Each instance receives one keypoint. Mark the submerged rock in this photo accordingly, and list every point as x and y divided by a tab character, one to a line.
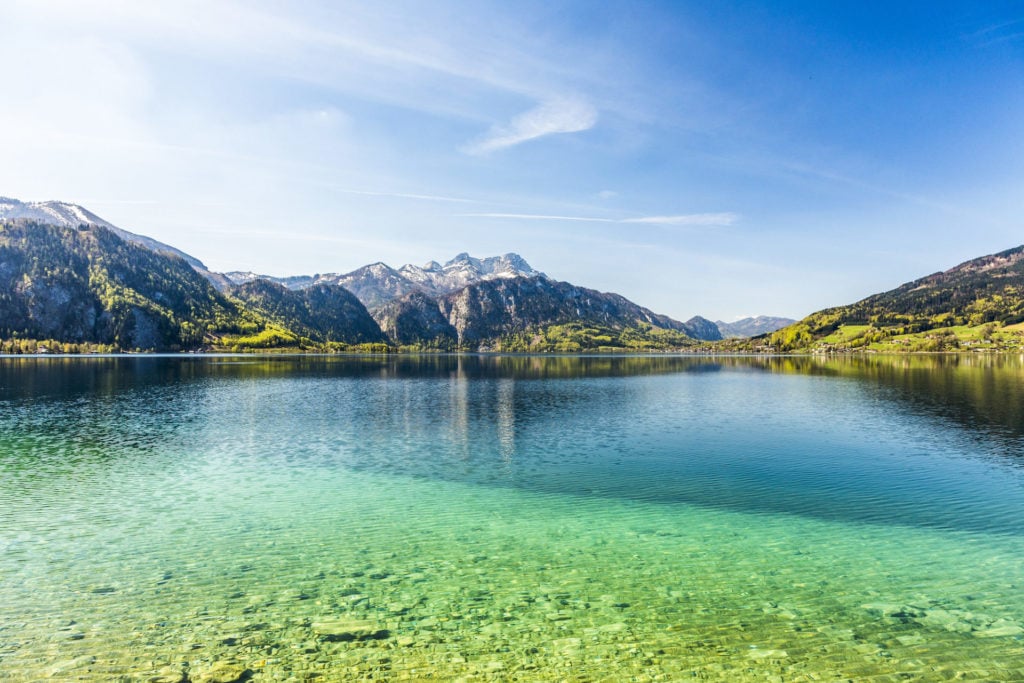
1001	628
953	621
345	630
225	672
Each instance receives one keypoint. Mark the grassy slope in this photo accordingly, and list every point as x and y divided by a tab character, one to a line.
978	305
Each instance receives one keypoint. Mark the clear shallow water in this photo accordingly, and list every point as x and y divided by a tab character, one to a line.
511	518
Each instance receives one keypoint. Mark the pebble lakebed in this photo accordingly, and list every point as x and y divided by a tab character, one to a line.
521	588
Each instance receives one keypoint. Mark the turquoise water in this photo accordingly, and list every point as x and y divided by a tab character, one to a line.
511	518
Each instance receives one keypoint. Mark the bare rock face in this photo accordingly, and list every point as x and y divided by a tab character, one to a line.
144	330
416	319
376	284
322	312
703	329
490	309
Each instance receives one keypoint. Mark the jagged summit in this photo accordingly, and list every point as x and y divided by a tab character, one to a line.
464	270
493	264
378	283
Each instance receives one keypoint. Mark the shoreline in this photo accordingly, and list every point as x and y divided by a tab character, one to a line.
513	354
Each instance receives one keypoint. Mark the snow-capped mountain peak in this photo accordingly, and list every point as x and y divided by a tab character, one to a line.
55	213
70	215
465	269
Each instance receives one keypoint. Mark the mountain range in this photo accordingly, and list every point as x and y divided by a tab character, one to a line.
75	280
470	301
378	283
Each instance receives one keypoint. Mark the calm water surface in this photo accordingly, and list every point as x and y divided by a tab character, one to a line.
511	518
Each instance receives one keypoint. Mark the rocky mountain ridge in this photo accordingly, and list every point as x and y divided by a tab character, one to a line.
403	301
376	284
501	307
467	303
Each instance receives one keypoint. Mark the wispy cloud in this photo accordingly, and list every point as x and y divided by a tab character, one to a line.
1004	38
102	202
558	115
806	169
692	219
406	195
539	217
722	219
998	26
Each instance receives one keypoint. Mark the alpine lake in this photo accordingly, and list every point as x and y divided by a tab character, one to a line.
607	518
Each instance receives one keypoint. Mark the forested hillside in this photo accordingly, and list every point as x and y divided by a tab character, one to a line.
86	286
320	313
977	304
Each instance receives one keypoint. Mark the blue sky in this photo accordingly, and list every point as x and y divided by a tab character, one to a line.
721	159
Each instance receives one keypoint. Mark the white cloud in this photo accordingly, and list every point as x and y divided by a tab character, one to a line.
687	219
538	217
557	115
406	195
691	219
